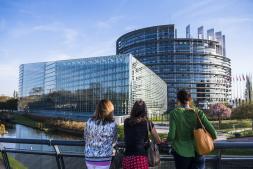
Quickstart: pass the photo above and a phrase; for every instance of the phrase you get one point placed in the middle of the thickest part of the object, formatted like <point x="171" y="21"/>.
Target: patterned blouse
<point x="99" y="139"/>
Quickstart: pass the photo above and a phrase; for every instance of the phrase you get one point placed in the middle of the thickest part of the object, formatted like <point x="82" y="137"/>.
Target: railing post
<point x="219" y="164"/>
<point x="62" y="162"/>
<point x="5" y="157"/>
<point x="59" y="158"/>
<point x="6" y="160"/>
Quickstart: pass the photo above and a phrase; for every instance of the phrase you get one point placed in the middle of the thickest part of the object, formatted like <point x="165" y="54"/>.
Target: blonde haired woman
<point x="100" y="134"/>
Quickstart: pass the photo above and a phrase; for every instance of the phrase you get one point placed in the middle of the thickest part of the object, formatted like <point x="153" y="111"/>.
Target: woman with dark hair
<point x="136" y="137"/>
<point x="100" y="134"/>
<point x="183" y="120"/>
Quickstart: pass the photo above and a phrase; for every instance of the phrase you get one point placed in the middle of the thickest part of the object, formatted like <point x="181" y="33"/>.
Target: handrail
<point x="234" y="145"/>
<point x="43" y="141"/>
<point x="219" y="145"/>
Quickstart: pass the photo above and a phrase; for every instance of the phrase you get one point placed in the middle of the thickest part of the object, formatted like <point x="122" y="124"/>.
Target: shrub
<point x="243" y="111"/>
<point x="120" y="132"/>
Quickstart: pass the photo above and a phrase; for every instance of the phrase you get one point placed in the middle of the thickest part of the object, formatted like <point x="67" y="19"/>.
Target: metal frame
<point x="60" y="155"/>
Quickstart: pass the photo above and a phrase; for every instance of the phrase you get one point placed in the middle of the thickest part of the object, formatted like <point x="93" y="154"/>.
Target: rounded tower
<point x="198" y="64"/>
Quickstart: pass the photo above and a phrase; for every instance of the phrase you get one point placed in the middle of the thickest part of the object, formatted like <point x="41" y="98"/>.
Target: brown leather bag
<point x="153" y="150"/>
<point x="203" y="140"/>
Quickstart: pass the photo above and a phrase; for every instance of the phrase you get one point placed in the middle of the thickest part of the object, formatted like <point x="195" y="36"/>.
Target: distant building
<point x="72" y="88"/>
<point x="197" y="64"/>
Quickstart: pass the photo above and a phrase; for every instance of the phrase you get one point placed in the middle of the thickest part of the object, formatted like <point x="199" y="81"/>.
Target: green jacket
<point x="182" y="123"/>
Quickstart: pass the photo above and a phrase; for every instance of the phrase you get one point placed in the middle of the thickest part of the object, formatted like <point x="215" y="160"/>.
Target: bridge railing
<point x="54" y="154"/>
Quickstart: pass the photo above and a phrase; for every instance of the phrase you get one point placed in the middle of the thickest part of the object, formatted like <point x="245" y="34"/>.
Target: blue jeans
<point x="197" y="162"/>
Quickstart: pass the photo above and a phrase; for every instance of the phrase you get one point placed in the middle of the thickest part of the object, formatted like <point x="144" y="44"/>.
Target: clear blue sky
<point x="42" y="30"/>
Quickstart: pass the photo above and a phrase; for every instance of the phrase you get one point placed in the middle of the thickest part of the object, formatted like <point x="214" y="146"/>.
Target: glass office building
<point x="72" y="88"/>
<point x="197" y="64"/>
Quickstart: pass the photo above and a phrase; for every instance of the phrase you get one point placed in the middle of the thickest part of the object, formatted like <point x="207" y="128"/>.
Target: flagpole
<point x="250" y="94"/>
<point x="241" y="87"/>
<point x="237" y="94"/>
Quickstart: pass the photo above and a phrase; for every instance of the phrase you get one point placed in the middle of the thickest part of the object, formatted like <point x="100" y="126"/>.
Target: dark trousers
<point x="197" y="162"/>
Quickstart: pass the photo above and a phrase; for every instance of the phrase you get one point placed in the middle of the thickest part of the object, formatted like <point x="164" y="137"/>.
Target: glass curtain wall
<point x="72" y="88"/>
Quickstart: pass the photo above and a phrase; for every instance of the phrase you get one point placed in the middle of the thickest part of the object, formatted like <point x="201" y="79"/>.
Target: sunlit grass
<point x="233" y="124"/>
<point x="15" y="164"/>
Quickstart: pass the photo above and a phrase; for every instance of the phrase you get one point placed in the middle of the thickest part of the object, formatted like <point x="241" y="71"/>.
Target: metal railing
<point x="219" y="160"/>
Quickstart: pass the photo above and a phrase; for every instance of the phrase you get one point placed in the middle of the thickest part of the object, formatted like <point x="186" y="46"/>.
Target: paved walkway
<point x="161" y="128"/>
<point x="246" y="139"/>
<point x="164" y="129"/>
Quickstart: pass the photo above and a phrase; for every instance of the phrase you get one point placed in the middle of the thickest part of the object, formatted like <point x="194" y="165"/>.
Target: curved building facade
<point x="197" y="64"/>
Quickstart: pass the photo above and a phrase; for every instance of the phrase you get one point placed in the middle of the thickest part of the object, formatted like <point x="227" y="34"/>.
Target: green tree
<point x="12" y="104"/>
<point x="248" y="90"/>
<point x="244" y="111"/>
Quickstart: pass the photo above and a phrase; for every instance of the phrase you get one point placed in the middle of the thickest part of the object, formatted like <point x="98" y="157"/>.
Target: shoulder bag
<point x="153" y="150"/>
<point x="203" y="140"/>
<point x="117" y="159"/>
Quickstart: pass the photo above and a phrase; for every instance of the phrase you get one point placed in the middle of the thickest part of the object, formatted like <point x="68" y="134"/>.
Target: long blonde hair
<point x="104" y="111"/>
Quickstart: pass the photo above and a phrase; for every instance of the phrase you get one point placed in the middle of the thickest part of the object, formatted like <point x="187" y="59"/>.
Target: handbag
<point x="203" y="140"/>
<point x="152" y="151"/>
<point x="117" y="158"/>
